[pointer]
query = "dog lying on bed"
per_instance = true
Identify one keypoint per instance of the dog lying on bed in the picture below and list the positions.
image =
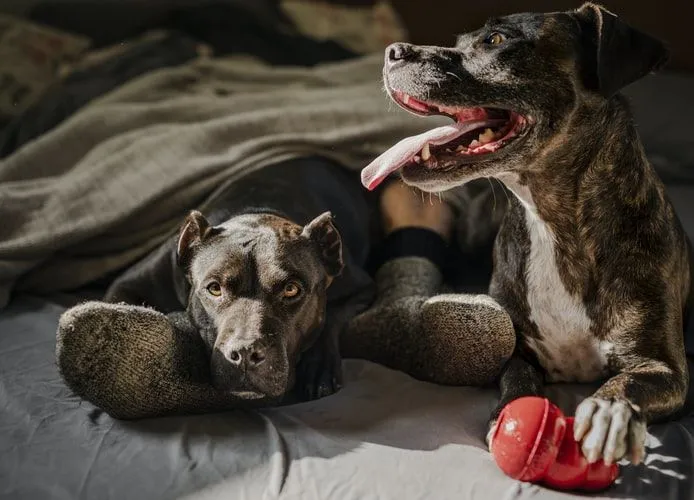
(245, 306)
(255, 295)
(591, 261)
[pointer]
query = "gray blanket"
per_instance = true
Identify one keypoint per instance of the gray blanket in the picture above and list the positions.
(112, 182)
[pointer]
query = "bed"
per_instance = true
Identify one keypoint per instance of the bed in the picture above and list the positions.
(383, 436)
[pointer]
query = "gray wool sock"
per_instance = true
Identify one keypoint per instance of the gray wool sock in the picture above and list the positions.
(135, 362)
(451, 339)
(407, 277)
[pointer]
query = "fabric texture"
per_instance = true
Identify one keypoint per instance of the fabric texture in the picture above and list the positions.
(412, 242)
(452, 339)
(180, 35)
(113, 181)
(383, 436)
(134, 362)
(81, 86)
(30, 56)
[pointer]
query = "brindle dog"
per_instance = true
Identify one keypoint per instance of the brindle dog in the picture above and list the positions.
(591, 261)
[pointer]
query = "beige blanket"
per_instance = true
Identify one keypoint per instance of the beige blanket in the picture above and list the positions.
(114, 181)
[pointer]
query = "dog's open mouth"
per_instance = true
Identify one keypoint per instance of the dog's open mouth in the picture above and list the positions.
(476, 132)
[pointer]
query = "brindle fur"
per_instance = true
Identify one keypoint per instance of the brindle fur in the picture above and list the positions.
(619, 248)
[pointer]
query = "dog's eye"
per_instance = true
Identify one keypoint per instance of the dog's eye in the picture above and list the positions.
(215, 289)
(291, 290)
(495, 39)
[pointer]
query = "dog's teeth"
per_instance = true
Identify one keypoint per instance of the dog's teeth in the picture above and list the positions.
(474, 144)
(486, 136)
(426, 153)
(460, 148)
(417, 159)
(406, 99)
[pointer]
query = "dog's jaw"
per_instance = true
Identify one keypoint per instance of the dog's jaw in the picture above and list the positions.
(476, 143)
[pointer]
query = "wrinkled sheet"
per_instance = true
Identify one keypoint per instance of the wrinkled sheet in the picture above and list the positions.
(384, 436)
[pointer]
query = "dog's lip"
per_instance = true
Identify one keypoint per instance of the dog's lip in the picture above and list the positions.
(447, 146)
(466, 159)
(430, 108)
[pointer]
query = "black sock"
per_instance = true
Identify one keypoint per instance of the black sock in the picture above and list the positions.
(412, 242)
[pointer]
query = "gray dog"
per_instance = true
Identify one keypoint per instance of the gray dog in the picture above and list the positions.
(591, 261)
(266, 284)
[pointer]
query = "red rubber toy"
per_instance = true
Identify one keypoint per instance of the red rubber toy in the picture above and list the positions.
(533, 442)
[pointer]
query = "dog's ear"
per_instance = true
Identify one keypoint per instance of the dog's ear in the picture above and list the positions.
(614, 54)
(194, 230)
(323, 233)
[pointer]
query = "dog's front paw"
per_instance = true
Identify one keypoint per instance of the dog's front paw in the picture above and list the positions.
(318, 375)
(610, 430)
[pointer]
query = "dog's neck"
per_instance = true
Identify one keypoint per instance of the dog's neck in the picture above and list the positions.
(597, 133)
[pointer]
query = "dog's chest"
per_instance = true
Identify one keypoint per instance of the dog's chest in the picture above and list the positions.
(566, 346)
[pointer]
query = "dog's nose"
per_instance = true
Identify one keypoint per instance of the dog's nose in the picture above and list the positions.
(252, 356)
(399, 52)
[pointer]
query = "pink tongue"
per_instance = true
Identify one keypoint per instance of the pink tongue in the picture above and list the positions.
(397, 156)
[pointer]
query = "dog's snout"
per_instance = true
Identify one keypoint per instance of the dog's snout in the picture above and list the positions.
(249, 357)
(399, 52)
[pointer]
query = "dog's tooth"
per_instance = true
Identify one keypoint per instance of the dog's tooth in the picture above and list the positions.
(486, 136)
(426, 153)
(417, 159)
(460, 148)
(474, 144)
(406, 99)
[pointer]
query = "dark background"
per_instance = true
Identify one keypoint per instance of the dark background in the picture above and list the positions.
(438, 21)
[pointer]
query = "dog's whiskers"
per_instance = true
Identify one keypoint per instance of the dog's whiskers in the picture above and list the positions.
(491, 184)
(454, 75)
(503, 188)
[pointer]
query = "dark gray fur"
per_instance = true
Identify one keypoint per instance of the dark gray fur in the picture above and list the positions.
(260, 343)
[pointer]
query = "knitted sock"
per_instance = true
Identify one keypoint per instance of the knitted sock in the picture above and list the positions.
(135, 362)
(451, 339)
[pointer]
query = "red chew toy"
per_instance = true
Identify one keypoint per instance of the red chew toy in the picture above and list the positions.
(533, 441)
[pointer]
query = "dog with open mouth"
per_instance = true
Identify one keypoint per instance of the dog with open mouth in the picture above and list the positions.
(590, 262)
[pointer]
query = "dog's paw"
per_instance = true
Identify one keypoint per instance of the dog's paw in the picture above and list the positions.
(610, 430)
(319, 374)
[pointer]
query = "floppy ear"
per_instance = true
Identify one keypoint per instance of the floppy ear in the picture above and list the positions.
(194, 231)
(614, 53)
(324, 234)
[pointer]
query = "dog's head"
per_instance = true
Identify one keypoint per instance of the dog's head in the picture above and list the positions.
(510, 88)
(258, 294)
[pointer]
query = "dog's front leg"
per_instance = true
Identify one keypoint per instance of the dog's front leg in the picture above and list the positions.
(612, 423)
(319, 373)
(518, 378)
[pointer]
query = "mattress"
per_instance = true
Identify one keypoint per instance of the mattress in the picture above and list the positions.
(383, 436)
